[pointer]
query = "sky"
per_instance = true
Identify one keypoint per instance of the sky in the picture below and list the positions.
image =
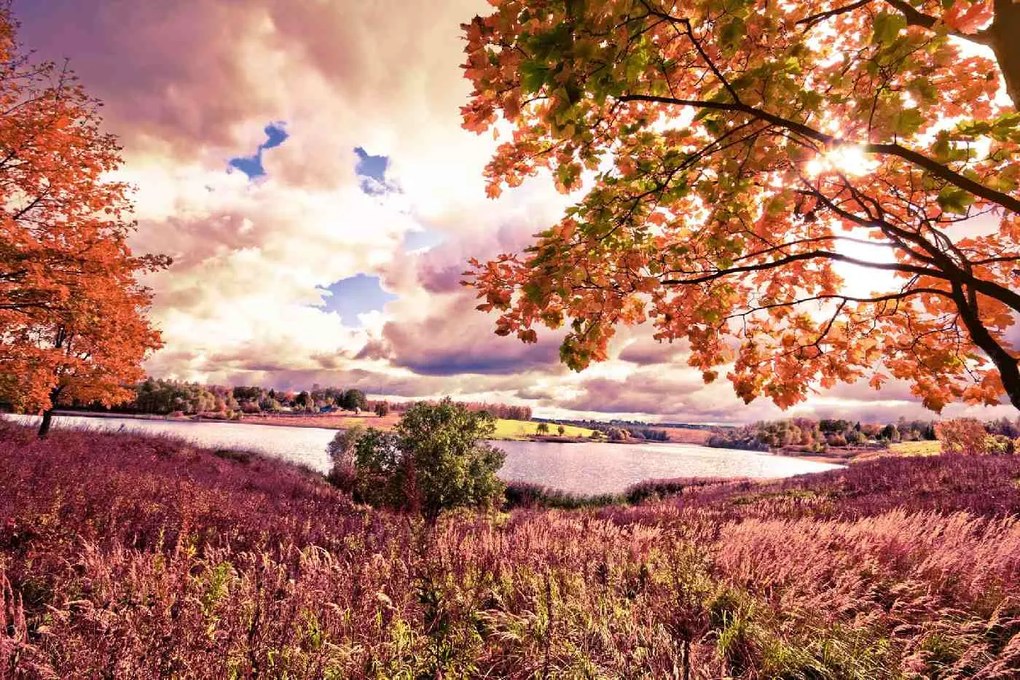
(303, 163)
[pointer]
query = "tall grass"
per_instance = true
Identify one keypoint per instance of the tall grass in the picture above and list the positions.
(129, 556)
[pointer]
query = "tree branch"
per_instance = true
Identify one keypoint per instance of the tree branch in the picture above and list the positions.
(705, 277)
(935, 168)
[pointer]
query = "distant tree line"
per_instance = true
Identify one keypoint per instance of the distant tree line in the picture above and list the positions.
(615, 432)
(505, 411)
(163, 397)
(817, 435)
(157, 396)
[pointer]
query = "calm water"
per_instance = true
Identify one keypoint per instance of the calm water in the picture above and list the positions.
(579, 468)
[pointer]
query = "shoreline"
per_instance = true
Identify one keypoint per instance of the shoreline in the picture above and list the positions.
(303, 422)
(329, 423)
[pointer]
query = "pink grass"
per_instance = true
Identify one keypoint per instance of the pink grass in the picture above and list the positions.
(129, 556)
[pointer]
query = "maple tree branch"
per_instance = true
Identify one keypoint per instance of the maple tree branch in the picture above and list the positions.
(1007, 365)
(705, 277)
(902, 295)
(811, 20)
(948, 269)
(935, 168)
(913, 16)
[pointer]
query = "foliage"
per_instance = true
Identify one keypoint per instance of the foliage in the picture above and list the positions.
(737, 160)
(963, 435)
(169, 396)
(382, 408)
(353, 400)
(435, 459)
(816, 435)
(71, 307)
(123, 555)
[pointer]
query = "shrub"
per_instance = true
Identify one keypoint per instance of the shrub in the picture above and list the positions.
(962, 435)
(435, 459)
(382, 408)
(528, 495)
(1000, 444)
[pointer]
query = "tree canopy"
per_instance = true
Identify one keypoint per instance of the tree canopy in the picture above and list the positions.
(73, 324)
(741, 161)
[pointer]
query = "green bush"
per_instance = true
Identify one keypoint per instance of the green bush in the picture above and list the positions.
(436, 459)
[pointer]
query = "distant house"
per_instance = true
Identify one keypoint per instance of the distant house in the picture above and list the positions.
(326, 409)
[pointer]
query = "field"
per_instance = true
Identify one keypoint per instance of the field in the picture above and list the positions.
(128, 556)
(522, 429)
(924, 448)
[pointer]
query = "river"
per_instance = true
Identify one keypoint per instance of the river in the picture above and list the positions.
(583, 468)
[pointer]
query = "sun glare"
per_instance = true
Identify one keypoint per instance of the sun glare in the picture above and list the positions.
(848, 159)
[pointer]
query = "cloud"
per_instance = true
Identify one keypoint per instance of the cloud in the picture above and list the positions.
(372, 179)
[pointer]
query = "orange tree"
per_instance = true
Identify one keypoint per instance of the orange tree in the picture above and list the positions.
(72, 312)
(738, 156)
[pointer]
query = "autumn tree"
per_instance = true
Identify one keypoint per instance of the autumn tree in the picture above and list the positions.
(963, 435)
(749, 166)
(72, 312)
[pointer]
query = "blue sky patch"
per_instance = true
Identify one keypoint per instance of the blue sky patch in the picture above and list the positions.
(276, 134)
(371, 172)
(356, 295)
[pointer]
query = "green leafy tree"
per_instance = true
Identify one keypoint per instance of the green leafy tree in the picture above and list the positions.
(353, 400)
(436, 459)
(304, 401)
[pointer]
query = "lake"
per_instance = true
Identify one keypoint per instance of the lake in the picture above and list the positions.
(585, 468)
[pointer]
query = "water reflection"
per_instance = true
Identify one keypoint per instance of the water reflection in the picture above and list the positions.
(586, 468)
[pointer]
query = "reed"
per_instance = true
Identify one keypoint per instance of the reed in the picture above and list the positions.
(133, 556)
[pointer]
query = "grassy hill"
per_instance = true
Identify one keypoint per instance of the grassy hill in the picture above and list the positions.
(129, 556)
(522, 429)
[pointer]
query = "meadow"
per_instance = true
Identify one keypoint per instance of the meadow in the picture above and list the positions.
(922, 448)
(131, 556)
(523, 429)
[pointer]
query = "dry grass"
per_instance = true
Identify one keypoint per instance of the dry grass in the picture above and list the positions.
(128, 556)
(684, 435)
(330, 421)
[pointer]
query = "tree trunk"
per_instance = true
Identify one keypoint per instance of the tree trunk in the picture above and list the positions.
(1004, 35)
(47, 419)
